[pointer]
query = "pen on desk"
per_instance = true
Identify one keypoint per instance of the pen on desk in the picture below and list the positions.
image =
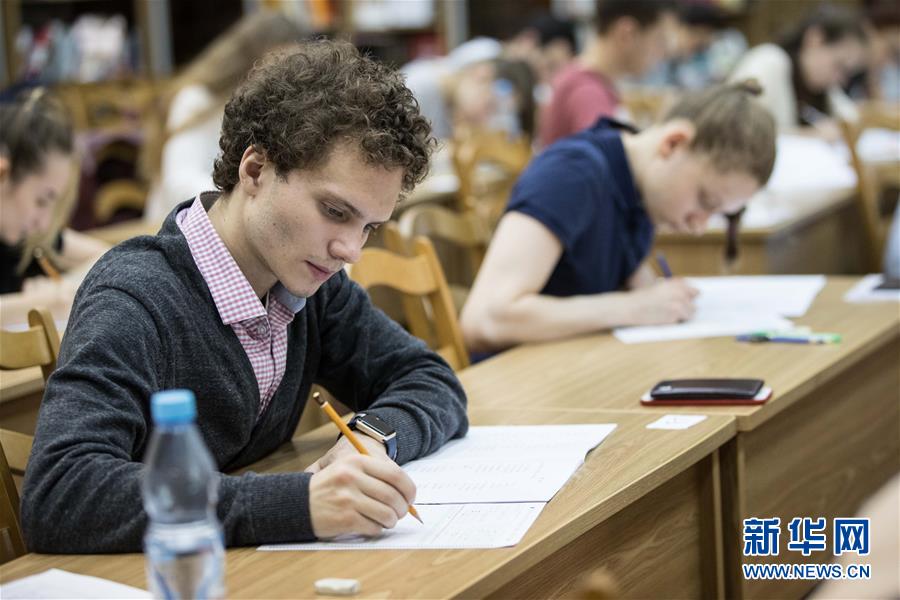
(351, 437)
(663, 265)
(48, 269)
(789, 337)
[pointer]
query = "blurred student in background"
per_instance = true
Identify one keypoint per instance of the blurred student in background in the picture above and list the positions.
(884, 67)
(802, 76)
(566, 258)
(547, 44)
(705, 49)
(632, 37)
(37, 171)
(183, 141)
(455, 92)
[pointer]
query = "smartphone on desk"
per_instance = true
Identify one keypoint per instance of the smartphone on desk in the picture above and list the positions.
(712, 392)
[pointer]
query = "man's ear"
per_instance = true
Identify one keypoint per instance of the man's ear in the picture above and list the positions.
(675, 135)
(250, 170)
(5, 168)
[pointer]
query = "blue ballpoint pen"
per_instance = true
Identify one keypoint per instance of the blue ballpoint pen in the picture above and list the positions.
(663, 265)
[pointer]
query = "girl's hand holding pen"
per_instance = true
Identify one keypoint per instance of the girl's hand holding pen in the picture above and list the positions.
(663, 302)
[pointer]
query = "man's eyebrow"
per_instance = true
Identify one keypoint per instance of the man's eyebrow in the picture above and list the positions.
(345, 204)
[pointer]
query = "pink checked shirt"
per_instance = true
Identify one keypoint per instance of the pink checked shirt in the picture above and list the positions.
(262, 331)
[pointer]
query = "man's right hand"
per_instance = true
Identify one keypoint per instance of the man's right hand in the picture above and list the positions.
(357, 494)
(663, 302)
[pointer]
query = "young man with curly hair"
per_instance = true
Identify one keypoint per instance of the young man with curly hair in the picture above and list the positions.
(242, 298)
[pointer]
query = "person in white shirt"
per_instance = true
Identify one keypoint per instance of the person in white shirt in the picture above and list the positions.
(802, 76)
(183, 141)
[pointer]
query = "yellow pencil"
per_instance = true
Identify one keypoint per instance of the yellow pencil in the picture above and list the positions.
(348, 433)
(48, 269)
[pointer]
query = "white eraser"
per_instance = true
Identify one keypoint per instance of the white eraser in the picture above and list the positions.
(333, 586)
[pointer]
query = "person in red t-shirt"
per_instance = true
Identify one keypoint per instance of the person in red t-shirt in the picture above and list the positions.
(632, 36)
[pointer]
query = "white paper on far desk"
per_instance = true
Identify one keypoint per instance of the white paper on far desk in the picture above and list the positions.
(706, 323)
(864, 291)
(446, 526)
(785, 295)
(528, 463)
(57, 583)
(735, 305)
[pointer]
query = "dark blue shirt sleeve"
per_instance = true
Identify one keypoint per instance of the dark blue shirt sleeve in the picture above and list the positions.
(562, 189)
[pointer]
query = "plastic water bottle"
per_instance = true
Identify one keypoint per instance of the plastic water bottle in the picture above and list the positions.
(183, 545)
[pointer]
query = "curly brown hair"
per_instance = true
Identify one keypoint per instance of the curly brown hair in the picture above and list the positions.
(296, 103)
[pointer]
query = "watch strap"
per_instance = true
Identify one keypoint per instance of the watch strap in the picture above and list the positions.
(390, 444)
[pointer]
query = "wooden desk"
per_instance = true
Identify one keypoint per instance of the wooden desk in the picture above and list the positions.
(643, 506)
(826, 238)
(826, 440)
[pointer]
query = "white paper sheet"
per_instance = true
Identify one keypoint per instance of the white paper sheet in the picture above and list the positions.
(446, 526)
(57, 583)
(676, 421)
(504, 464)
(482, 491)
(875, 145)
(735, 305)
(864, 291)
(785, 295)
(706, 323)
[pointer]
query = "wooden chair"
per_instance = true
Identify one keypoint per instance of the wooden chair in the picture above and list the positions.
(419, 275)
(38, 346)
(488, 164)
(116, 195)
(12, 544)
(461, 241)
(646, 106)
(872, 179)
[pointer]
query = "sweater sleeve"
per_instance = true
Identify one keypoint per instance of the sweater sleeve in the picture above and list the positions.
(370, 362)
(82, 491)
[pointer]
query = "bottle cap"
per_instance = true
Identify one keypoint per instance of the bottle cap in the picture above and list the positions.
(173, 407)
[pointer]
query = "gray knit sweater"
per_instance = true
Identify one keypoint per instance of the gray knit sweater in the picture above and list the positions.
(144, 320)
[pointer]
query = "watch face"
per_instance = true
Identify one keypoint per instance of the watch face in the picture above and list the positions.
(374, 424)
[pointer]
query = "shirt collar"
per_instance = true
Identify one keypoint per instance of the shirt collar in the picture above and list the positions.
(293, 303)
(609, 138)
(232, 294)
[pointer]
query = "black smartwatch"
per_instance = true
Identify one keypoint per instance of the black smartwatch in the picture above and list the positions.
(377, 429)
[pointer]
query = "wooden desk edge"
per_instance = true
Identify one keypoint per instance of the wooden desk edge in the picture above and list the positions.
(539, 548)
(753, 420)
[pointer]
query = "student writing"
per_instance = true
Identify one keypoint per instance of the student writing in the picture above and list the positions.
(566, 257)
(243, 299)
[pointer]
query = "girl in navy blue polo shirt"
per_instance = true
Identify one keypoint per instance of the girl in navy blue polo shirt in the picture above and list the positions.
(566, 257)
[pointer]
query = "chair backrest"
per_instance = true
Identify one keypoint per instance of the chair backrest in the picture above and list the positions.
(487, 164)
(417, 276)
(38, 346)
(12, 545)
(460, 239)
(869, 181)
(645, 106)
